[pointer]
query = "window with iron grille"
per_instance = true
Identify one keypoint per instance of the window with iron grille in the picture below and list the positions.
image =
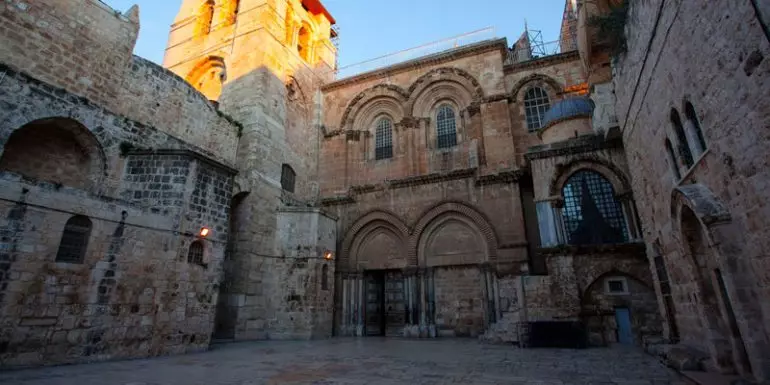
(536, 103)
(591, 213)
(195, 253)
(74, 240)
(446, 127)
(287, 178)
(383, 139)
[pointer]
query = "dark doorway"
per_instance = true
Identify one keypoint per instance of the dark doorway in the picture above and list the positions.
(385, 307)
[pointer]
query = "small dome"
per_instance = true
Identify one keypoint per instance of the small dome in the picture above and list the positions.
(569, 108)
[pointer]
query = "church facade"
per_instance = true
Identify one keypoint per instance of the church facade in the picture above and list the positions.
(242, 191)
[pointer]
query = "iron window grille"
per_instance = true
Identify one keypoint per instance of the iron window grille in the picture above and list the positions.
(288, 177)
(536, 103)
(591, 213)
(195, 253)
(383, 139)
(74, 240)
(446, 127)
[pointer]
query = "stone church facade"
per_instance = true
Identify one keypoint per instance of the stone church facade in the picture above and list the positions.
(241, 191)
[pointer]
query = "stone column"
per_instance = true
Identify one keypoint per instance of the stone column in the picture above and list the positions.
(360, 304)
(431, 302)
(345, 319)
(422, 301)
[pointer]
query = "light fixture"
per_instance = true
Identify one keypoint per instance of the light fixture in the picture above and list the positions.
(204, 231)
(328, 255)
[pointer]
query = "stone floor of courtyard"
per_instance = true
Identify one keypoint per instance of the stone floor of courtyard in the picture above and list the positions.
(365, 361)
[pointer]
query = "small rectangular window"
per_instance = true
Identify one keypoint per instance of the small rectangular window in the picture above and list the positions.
(616, 286)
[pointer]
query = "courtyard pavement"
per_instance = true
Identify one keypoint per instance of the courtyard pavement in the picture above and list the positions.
(369, 361)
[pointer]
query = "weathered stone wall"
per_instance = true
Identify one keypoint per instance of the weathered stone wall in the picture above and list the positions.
(716, 59)
(460, 301)
(80, 45)
(134, 294)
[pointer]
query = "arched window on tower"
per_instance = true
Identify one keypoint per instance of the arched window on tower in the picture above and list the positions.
(683, 146)
(303, 43)
(591, 213)
(205, 18)
(536, 103)
(446, 126)
(672, 160)
(288, 177)
(693, 131)
(383, 139)
(74, 240)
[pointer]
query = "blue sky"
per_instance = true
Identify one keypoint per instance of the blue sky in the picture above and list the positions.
(372, 28)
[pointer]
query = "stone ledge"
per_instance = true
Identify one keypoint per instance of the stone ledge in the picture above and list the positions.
(579, 145)
(631, 250)
(187, 153)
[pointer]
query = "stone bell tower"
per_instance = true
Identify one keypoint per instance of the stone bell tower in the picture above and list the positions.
(263, 63)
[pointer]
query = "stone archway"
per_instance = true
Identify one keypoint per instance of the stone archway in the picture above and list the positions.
(712, 254)
(57, 150)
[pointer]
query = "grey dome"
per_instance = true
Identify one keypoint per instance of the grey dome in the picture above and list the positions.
(569, 108)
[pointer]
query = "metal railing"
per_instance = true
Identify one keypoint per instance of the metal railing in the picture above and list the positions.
(536, 51)
(416, 52)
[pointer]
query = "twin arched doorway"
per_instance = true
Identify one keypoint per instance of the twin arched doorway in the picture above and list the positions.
(421, 281)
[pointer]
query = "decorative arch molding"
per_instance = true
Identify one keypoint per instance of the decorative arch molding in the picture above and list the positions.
(393, 93)
(458, 210)
(594, 278)
(451, 80)
(364, 225)
(552, 86)
(97, 170)
(607, 169)
(204, 66)
(426, 103)
(455, 224)
(707, 207)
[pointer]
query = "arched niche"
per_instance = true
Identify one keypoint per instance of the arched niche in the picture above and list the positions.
(451, 239)
(208, 77)
(373, 225)
(461, 217)
(58, 150)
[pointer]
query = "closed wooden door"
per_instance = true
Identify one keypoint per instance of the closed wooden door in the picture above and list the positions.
(395, 306)
(374, 304)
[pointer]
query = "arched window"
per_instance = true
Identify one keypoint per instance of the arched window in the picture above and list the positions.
(591, 213)
(303, 43)
(682, 146)
(288, 177)
(325, 277)
(195, 253)
(74, 240)
(205, 18)
(446, 127)
(693, 130)
(383, 139)
(672, 160)
(536, 103)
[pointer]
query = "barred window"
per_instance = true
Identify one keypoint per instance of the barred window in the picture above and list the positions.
(682, 144)
(591, 213)
(383, 139)
(195, 253)
(446, 127)
(536, 103)
(74, 240)
(287, 178)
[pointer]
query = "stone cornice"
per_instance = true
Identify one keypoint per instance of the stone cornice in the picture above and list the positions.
(622, 250)
(187, 153)
(431, 178)
(544, 61)
(504, 177)
(573, 146)
(337, 200)
(438, 58)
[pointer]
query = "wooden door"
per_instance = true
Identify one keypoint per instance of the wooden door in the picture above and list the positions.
(374, 304)
(395, 306)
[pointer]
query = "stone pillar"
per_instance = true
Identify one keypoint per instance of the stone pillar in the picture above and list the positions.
(431, 302)
(360, 304)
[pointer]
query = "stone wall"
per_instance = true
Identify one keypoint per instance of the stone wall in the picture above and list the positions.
(460, 302)
(147, 194)
(715, 58)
